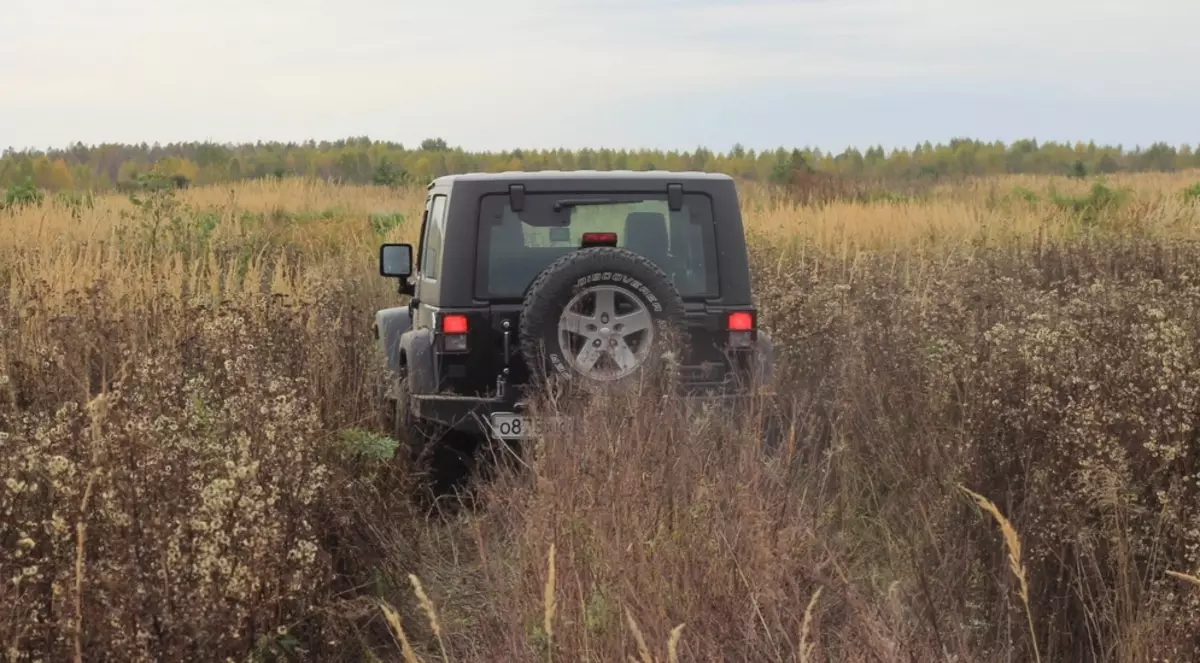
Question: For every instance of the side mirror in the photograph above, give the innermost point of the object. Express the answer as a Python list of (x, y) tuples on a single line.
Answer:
[(395, 260)]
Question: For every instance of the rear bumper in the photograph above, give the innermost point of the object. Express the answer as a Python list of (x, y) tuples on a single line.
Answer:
[(462, 413), (471, 414), (707, 383)]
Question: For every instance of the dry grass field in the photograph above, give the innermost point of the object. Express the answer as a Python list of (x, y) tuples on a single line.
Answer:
[(994, 388)]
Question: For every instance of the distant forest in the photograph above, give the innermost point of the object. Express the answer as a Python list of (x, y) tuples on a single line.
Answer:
[(361, 160)]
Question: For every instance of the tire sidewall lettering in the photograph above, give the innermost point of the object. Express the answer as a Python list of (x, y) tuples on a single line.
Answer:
[(624, 280)]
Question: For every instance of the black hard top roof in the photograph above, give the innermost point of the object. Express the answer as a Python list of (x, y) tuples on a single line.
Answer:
[(566, 175)]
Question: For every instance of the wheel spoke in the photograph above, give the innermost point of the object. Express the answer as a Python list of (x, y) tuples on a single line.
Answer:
[(624, 356), (587, 357), (605, 304), (633, 322), (577, 323)]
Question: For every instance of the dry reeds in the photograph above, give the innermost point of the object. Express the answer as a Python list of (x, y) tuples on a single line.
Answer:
[(1012, 543), (990, 335)]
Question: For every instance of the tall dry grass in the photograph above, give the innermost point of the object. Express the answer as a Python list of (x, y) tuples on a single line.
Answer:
[(190, 470)]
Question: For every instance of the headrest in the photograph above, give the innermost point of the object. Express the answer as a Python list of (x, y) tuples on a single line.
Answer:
[(646, 230), (509, 234)]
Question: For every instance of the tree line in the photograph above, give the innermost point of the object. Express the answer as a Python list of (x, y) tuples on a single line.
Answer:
[(362, 160)]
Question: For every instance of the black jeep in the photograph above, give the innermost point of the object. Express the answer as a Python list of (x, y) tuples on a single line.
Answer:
[(528, 276)]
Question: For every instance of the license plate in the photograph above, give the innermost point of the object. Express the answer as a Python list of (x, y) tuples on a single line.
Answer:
[(511, 426)]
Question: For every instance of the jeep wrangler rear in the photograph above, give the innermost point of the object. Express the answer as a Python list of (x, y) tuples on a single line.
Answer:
[(523, 276)]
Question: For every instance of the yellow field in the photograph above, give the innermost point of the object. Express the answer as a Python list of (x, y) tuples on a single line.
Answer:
[(192, 471)]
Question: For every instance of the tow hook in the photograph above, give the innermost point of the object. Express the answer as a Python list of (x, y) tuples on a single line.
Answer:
[(507, 336)]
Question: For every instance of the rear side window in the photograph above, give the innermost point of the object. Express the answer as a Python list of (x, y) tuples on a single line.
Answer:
[(435, 230), (514, 247)]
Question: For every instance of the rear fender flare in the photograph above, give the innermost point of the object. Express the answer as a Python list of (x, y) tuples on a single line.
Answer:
[(416, 348), (390, 323), (405, 348)]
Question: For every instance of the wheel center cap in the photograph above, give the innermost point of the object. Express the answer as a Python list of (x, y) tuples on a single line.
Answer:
[(605, 332)]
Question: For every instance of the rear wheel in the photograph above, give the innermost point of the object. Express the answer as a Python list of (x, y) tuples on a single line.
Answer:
[(393, 410), (439, 460)]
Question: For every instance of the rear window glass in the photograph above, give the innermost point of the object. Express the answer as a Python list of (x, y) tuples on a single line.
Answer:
[(514, 247)]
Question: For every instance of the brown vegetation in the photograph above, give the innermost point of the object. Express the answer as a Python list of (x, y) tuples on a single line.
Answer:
[(993, 390)]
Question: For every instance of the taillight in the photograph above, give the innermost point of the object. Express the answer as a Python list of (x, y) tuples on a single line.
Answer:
[(455, 324), (741, 321), (741, 329), (454, 332)]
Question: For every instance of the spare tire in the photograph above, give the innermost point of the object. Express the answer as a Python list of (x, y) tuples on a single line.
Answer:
[(598, 315)]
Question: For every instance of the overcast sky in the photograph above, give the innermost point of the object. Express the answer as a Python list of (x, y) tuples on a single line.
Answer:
[(499, 74)]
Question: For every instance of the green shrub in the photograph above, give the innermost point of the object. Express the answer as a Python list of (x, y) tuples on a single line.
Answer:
[(22, 195), (1092, 207)]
